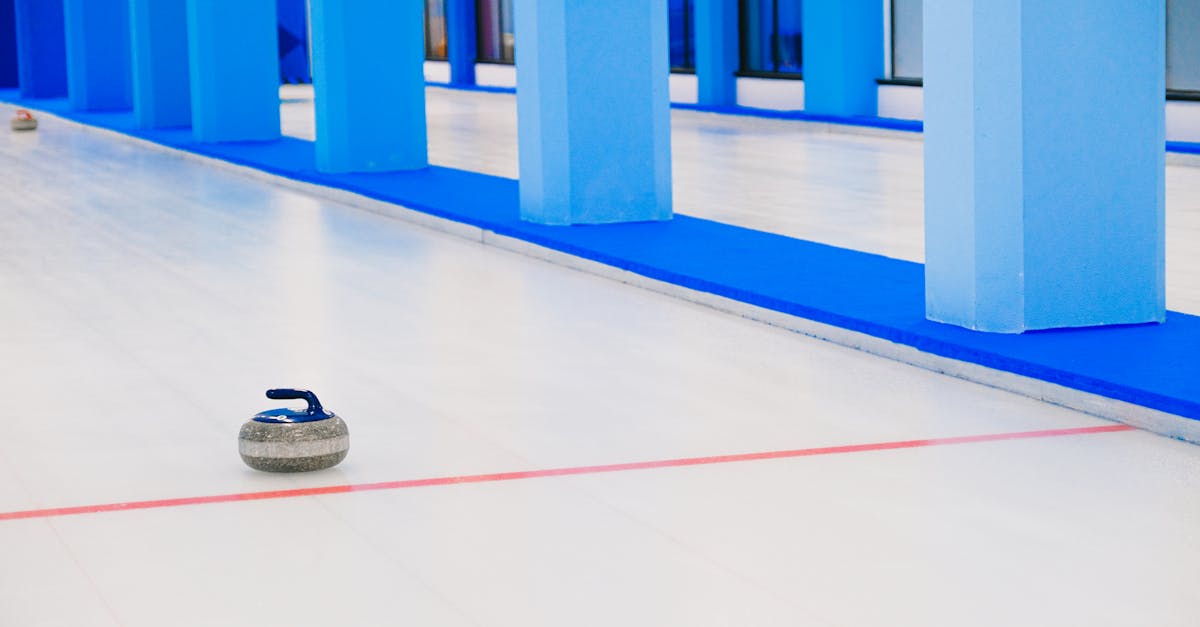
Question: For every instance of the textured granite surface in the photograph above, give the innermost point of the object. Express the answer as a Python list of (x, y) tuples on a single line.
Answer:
[(294, 447)]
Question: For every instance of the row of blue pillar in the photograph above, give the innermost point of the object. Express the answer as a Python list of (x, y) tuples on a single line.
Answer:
[(1044, 167), (843, 52)]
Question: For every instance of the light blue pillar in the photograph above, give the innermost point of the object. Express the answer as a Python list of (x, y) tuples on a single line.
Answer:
[(365, 124), (1044, 180), (41, 49), (716, 35), (593, 111), (161, 87), (98, 63), (461, 40), (233, 53), (842, 56)]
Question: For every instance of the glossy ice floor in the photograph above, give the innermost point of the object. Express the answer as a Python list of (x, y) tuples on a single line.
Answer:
[(148, 300)]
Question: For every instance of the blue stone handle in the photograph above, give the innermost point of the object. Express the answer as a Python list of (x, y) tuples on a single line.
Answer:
[(314, 405)]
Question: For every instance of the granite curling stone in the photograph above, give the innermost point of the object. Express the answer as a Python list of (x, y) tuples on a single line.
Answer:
[(24, 121), (292, 440)]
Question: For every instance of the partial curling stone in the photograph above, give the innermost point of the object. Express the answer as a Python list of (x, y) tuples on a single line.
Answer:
[(290, 440), (24, 121)]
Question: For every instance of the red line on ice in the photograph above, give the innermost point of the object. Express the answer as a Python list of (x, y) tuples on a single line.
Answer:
[(555, 472)]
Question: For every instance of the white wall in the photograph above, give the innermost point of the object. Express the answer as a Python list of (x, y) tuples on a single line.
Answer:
[(906, 103), (902, 102), (685, 88), (495, 75), (770, 93), (1183, 121), (437, 71)]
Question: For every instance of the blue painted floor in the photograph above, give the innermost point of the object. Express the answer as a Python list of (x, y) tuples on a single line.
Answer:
[(1150, 365)]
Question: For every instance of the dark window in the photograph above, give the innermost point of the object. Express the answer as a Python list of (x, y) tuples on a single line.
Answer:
[(435, 30), (683, 36), (495, 31), (907, 60), (1183, 45), (771, 42)]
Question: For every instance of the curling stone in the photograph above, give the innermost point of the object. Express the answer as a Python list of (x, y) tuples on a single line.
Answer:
[(24, 121), (294, 440)]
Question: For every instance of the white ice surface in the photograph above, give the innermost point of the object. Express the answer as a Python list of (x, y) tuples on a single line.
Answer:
[(147, 301)]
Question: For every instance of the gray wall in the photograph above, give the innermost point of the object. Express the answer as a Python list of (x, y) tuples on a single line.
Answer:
[(906, 38), (1183, 44)]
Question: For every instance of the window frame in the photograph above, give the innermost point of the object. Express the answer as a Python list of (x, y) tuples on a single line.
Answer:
[(479, 31), (893, 78), (1191, 92), (689, 38), (445, 33)]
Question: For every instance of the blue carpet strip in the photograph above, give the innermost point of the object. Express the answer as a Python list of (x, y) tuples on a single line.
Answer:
[(1156, 366)]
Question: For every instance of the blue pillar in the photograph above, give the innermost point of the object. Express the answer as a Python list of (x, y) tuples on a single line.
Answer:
[(1044, 176), (593, 111), (41, 49), (161, 86), (461, 39), (8, 44), (365, 124), (98, 64), (842, 56), (716, 52), (293, 41), (233, 53)]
